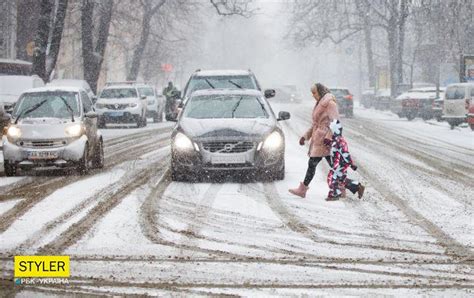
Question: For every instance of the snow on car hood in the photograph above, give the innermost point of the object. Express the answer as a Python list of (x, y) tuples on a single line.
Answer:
[(44, 128), (226, 127)]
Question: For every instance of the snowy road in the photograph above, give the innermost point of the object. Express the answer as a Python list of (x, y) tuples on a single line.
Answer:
[(130, 230)]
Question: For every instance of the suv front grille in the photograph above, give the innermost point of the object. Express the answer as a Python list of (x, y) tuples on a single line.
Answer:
[(227, 147), (116, 106)]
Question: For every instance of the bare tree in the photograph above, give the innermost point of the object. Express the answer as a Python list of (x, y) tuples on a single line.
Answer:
[(48, 37), (233, 7), (93, 55)]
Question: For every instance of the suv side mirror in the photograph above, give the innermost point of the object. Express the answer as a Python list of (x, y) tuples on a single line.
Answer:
[(283, 116), (91, 114), (269, 93)]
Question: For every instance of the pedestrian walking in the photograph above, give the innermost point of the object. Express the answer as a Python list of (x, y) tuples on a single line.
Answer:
[(340, 161), (324, 111)]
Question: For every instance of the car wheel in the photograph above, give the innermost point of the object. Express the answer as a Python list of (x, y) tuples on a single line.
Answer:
[(410, 116), (101, 123), (98, 161), (177, 175), (279, 174), (83, 166), (156, 118), (10, 170), (139, 121), (452, 124)]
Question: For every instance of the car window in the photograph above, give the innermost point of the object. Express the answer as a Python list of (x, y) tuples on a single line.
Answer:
[(145, 91), (118, 93), (225, 106), (52, 105), (340, 92), (86, 102), (455, 92), (216, 82)]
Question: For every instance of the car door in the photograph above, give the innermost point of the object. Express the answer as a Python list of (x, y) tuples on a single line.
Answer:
[(89, 123)]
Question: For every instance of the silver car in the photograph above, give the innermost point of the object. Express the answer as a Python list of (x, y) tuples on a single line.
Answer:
[(53, 127), (228, 130)]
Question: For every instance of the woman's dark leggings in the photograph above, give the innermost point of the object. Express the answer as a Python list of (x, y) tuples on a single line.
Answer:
[(312, 164), (351, 185)]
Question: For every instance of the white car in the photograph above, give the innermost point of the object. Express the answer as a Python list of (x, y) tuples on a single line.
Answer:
[(11, 87), (456, 102), (121, 103), (74, 83), (155, 103)]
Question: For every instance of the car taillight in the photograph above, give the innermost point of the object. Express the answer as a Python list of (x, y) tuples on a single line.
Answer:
[(348, 97)]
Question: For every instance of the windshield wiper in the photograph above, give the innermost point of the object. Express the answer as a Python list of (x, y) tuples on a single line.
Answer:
[(236, 106), (207, 81), (26, 112), (235, 84), (68, 107)]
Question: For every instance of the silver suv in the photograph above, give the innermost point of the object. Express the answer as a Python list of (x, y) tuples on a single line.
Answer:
[(121, 102), (53, 127), (223, 79)]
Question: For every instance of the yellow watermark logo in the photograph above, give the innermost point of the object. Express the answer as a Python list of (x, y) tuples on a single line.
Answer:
[(41, 266)]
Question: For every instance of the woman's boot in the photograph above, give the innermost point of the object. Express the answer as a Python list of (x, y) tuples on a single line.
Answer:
[(300, 190)]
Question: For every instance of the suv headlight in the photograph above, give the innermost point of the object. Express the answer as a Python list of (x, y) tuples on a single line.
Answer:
[(182, 142), (74, 130), (273, 141), (13, 132)]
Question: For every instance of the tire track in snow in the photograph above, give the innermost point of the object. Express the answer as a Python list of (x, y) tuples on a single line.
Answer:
[(110, 199), (453, 248), (62, 219), (37, 193)]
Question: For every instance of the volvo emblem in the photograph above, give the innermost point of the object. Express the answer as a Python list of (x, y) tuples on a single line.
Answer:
[(228, 147)]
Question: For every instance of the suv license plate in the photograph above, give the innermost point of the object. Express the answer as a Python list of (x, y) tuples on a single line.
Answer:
[(42, 155), (232, 159)]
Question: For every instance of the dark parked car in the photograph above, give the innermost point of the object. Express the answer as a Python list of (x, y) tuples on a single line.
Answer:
[(367, 98), (228, 130), (344, 101)]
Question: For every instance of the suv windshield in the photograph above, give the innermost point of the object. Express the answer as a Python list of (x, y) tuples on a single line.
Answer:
[(118, 93), (49, 105), (216, 82), (146, 91), (455, 92), (224, 106)]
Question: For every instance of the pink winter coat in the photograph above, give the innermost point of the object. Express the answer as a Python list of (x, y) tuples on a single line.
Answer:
[(323, 113)]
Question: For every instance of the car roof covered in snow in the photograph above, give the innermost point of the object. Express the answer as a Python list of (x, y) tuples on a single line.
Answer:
[(427, 89), (226, 92), (338, 88), (223, 72), (120, 86), (54, 89)]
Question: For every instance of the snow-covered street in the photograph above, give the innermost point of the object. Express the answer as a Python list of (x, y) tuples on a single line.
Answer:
[(130, 230)]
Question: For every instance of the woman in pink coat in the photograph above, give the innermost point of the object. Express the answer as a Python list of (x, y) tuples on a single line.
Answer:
[(324, 112)]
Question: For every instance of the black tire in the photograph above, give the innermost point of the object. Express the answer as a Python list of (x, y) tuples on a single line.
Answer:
[(10, 170), (139, 121), (411, 116), (156, 118), (279, 174), (101, 123), (98, 160), (452, 124), (177, 175), (83, 165)]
